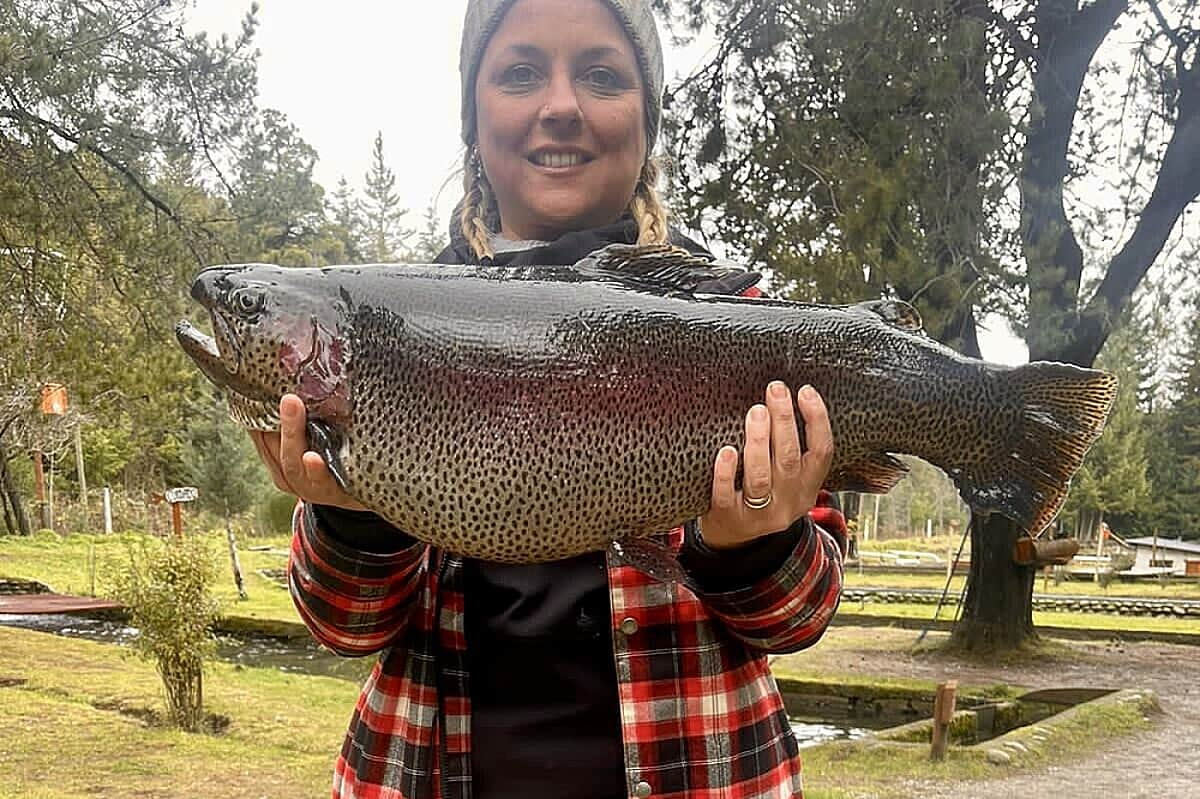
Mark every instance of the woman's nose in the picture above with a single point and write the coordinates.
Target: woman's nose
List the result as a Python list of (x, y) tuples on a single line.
[(562, 108)]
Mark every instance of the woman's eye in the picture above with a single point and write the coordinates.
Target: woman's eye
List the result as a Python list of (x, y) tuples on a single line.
[(521, 75), (602, 78)]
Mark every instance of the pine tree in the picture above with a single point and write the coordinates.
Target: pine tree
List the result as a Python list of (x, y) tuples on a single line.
[(1112, 480), (347, 222), (431, 239), (385, 236), (1180, 467)]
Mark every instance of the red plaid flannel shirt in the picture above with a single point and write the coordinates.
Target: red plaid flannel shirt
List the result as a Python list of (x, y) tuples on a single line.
[(700, 713)]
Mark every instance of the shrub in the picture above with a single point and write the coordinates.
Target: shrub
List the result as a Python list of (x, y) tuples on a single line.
[(168, 590)]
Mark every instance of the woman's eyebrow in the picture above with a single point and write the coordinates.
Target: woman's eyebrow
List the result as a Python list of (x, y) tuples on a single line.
[(524, 51), (602, 51)]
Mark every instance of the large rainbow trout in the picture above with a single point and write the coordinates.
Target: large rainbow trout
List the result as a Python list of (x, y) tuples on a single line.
[(534, 413)]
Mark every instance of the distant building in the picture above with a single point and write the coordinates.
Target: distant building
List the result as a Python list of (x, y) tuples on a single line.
[(1172, 556)]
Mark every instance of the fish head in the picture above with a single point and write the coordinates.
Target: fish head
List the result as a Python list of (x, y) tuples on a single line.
[(275, 331)]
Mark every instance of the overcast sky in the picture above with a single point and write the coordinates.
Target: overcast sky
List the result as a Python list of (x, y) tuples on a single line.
[(343, 71)]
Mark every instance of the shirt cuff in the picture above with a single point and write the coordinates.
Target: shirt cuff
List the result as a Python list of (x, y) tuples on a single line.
[(720, 571), (362, 530)]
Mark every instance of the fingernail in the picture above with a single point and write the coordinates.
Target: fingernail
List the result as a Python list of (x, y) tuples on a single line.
[(778, 389), (758, 413), (808, 393)]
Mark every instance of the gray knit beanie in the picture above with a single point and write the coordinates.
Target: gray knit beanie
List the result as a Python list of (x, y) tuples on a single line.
[(484, 17)]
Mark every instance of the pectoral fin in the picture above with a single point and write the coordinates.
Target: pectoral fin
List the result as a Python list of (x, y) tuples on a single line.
[(327, 442), (877, 474)]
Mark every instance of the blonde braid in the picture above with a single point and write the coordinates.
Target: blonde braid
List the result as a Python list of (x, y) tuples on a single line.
[(476, 205), (647, 208)]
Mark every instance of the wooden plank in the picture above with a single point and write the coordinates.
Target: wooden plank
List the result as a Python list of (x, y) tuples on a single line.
[(35, 604)]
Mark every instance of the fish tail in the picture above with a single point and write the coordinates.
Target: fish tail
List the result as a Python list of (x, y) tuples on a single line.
[(1062, 411)]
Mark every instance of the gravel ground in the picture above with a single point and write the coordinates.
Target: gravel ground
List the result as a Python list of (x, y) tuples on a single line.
[(1163, 762)]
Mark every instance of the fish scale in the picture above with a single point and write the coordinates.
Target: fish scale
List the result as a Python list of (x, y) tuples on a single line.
[(537, 413)]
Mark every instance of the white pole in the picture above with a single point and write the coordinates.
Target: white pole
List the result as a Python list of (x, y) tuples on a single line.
[(875, 518), (929, 528), (107, 510)]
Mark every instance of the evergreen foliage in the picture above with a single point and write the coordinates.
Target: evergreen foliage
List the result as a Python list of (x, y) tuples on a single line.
[(219, 459), (1177, 472), (384, 234), (1113, 479)]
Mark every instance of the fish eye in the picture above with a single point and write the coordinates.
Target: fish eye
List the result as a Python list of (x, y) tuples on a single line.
[(247, 302)]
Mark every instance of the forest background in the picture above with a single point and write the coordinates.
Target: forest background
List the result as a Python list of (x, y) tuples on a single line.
[(943, 168)]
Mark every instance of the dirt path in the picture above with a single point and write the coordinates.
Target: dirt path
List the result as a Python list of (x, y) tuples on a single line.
[(1162, 763)]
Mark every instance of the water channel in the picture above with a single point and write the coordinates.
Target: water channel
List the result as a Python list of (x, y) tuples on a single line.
[(303, 656)]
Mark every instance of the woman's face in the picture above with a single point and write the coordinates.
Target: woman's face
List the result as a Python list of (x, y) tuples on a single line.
[(561, 125)]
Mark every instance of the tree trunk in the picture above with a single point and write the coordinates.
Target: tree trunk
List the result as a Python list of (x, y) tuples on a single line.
[(998, 611), (10, 497)]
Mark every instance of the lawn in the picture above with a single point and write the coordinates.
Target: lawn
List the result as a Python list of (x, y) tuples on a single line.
[(85, 564), (65, 701), (1101, 622), (1077, 587), (68, 702)]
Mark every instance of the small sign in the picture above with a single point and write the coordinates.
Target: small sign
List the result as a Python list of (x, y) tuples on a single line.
[(54, 399), (185, 494)]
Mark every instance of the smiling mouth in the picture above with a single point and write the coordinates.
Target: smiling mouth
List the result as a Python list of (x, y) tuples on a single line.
[(559, 160)]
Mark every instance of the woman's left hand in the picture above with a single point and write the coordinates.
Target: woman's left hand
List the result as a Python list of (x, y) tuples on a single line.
[(776, 470)]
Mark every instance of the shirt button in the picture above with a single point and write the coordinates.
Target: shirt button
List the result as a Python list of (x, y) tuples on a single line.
[(630, 626), (642, 790)]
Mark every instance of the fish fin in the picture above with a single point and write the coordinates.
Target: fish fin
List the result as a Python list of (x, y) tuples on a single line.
[(1063, 411), (327, 442), (878, 474), (897, 313), (662, 267), (650, 556)]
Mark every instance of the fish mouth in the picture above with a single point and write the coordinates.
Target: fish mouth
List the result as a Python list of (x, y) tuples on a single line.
[(247, 407), (203, 350)]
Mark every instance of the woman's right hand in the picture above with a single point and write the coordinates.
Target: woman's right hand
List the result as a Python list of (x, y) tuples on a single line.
[(294, 468)]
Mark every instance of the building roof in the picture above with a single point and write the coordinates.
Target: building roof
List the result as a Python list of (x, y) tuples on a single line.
[(1177, 544)]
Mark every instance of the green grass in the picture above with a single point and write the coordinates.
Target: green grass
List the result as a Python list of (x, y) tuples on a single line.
[(63, 563), (1081, 621), (84, 703), (1077, 586)]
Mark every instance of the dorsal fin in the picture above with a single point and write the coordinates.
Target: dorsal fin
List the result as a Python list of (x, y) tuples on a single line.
[(897, 313), (657, 266)]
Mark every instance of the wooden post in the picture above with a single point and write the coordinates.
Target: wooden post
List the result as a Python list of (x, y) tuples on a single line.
[(107, 511), (39, 481), (79, 469), (233, 557), (943, 712), (875, 519), (176, 497)]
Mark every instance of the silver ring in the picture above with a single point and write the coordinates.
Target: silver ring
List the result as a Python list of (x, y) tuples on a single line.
[(757, 503)]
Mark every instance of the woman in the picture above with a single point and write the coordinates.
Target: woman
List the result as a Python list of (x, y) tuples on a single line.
[(578, 678)]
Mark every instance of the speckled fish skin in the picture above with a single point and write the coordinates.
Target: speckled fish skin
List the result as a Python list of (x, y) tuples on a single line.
[(535, 413)]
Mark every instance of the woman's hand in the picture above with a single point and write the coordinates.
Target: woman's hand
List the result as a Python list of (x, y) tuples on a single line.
[(780, 481), (294, 469)]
